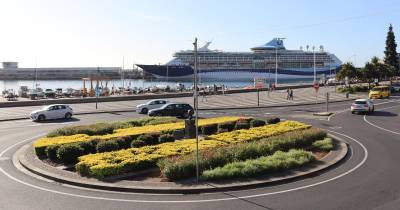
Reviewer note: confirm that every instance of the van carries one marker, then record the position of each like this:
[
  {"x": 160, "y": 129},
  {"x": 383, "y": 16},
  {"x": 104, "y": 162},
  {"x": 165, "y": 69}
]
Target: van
[{"x": 379, "y": 92}]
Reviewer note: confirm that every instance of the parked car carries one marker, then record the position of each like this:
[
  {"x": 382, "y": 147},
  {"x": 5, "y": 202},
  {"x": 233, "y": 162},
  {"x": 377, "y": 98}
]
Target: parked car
[
  {"x": 55, "y": 111},
  {"x": 153, "y": 104},
  {"x": 362, "y": 105},
  {"x": 49, "y": 93},
  {"x": 172, "y": 109},
  {"x": 379, "y": 92},
  {"x": 396, "y": 87}
]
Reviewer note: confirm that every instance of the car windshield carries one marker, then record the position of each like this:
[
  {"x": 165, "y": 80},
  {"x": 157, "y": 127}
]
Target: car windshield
[
  {"x": 377, "y": 89},
  {"x": 45, "y": 107},
  {"x": 360, "y": 102}
]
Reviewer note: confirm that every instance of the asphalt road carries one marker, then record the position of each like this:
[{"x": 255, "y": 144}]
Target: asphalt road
[{"x": 368, "y": 179}]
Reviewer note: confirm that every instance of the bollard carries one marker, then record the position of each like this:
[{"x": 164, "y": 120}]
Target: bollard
[
  {"x": 347, "y": 95},
  {"x": 258, "y": 97},
  {"x": 327, "y": 101}
]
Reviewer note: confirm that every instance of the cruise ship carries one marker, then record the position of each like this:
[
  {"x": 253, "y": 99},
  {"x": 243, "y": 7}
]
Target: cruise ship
[{"x": 269, "y": 61}]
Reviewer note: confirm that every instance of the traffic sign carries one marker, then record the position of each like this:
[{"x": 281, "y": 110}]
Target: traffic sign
[{"x": 316, "y": 86}]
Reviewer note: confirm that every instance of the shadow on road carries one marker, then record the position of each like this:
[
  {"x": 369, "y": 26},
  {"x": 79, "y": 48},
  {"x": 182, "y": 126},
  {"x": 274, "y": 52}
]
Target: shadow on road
[
  {"x": 59, "y": 121},
  {"x": 383, "y": 114}
]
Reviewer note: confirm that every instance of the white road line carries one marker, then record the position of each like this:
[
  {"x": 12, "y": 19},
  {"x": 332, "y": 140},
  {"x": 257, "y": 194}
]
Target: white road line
[
  {"x": 29, "y": 139},
  {"x": 339, "y": 112},
  {"x": 190, "y": 201},
  {"x": 376, "y": 126}
]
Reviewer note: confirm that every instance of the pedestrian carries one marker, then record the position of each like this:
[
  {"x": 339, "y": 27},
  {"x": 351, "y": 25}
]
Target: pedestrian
[
  {"x": 291, "y": 94},
  {"x": 288, "y": 94}
]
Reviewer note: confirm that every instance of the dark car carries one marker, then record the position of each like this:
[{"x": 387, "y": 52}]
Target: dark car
[{"x": 172, "y": 109}]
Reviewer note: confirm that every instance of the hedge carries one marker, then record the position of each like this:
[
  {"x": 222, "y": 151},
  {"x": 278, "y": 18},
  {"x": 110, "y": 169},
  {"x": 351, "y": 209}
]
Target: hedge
[
  {"x": 113, "y": 163},
  {"x": 176, "y": 168},
  {"x": 128, "y": 133},
  {"x": 108, "y": 128},
  {"x": 250, "y": 168}
]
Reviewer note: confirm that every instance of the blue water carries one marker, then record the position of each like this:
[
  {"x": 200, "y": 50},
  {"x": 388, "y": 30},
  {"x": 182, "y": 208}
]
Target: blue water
[{"x": 139, "y": 83}]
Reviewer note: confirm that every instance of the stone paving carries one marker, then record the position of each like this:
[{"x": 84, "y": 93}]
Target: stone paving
[{"x": 274, "y": 98}]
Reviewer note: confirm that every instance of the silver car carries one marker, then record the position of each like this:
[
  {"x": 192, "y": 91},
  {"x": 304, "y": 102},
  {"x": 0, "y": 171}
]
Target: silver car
[
  {"x": 55, "y": 111},
  {"x": 362, "y": 105},
  {"x": 152, "y": 104}
]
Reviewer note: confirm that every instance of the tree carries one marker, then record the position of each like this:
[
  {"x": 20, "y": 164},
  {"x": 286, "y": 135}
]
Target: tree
[
  {"x": 368, "y": 73},
  {"x": 391, "y": 58},
  {"x": 347, "y": 70},
  {"x": 383, "y": 70}
]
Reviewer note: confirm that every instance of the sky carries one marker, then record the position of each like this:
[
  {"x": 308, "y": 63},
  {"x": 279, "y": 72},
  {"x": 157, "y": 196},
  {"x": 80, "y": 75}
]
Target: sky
[{"x": 73, "y": 33}]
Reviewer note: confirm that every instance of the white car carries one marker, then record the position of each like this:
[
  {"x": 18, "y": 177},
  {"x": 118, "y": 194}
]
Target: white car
[
  {"x": 55, "y": 111},
  {"x": 153, "y": 104},
  {"x": 362, "y": 105}
]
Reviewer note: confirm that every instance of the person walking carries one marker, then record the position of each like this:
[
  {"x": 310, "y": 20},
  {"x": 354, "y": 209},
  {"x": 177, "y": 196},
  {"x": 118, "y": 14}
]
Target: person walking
[
  {"x": 291, "y": 94},
  {"x": 288, "y": 94}
]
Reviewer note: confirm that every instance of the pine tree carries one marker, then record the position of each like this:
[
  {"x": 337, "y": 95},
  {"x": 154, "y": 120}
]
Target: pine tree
[{"x": 391, "y": 58}]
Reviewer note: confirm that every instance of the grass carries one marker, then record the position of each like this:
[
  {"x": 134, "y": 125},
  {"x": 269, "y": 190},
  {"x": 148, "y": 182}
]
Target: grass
[
  {"x": 176, "y": 168},
  {"x": 324, "y": 145},
  {"x": 250, "y": 168}
]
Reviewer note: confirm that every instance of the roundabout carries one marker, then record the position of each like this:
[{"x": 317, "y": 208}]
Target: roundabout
[{"x": 365, "y": 172}]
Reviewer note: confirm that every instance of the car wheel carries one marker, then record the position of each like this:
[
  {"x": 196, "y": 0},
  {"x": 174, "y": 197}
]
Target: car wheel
[
  {"x": 145, "y": 110},
  {"x": 352, "y": 112},
  {"x": 41, "y": 117},
  {"x": 68, "y": 115}
]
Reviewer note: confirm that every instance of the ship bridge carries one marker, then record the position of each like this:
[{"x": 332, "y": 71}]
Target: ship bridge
[{"x": 274, "y": 44}]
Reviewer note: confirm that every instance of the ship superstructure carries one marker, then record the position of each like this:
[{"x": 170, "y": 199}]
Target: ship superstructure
[{"x": 262, "y": 61}]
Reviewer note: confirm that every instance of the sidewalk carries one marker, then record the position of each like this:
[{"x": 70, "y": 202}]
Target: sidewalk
[{"x": 238, "y": 100}]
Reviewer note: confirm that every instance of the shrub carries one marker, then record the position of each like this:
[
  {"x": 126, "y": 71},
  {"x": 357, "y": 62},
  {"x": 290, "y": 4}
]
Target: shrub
[
  {"x": 176, "y": 168},
  {"x": 178, "y": 134},
  {"x": 250, "y": 168},
  {"x": 51, "y": 152},
  {"x": 95, "y": 129},
  {"x": 256, "y": 123},
  {"x": 166, "y": 138},
  {"x": 110, "y": 163},
  {"x": 107, "y": 146},
  {"x": 242, "y": 125},
  {"x": 273, "y": 120},
  {"x": 137, "y": 143},
  {"x": 209, "y": 129},
  {"x": 149, "y": 139},
  {"x": 123, "y": 141},
  {"x": 69, "y": 153},
  {"x": 89, "y": 146},
  {"x": 324, "y": 145},
  {"x": 41, "y": 144},
  {"x": 227, "y": 126}
]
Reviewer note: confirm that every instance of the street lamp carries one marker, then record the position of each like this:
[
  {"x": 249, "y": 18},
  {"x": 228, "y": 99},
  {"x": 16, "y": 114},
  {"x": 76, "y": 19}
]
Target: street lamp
[
  {"x": 315, "y": 73},
  {"x": 195, "y": 100}
]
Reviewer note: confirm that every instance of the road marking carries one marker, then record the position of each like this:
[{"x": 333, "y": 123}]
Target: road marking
[
  {"x": 344, "y": 110},
  {"x": 29, "y": 139},
  {"x": 376, "y": 126},
  {"x": 4, "y": 158},
  {"x": 190, "y": 201}
]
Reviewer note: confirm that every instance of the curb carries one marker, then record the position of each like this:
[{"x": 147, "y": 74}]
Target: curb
[
  {"x": 201, "y": 109},
  {"x": 332, "y": 159}
]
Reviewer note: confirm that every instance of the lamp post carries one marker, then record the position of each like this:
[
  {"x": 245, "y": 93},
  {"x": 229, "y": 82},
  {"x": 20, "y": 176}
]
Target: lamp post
[
  {"x": 195, "y": 100},
  {"x": 276, "y": 66},
  {"x": 315, "y": 73}
]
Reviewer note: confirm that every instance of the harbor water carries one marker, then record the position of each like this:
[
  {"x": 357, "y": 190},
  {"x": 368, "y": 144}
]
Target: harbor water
[{"x": 132, "y": 83}]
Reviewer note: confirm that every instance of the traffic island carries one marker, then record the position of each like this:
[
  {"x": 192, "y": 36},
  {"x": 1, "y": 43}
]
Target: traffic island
[
  {"x": 323, "y": 114},
  {"x": 289, "y": 151},
  {"x": 29, "y": 161}
]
